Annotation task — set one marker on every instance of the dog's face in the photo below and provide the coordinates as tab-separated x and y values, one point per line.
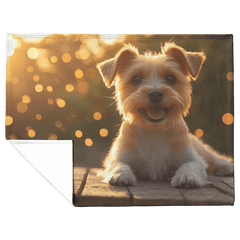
152	90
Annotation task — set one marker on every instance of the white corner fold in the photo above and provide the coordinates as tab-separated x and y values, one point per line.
53	159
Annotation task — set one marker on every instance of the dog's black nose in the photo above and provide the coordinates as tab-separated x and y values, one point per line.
155	95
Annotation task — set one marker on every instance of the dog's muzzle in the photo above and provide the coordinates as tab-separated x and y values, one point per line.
145	112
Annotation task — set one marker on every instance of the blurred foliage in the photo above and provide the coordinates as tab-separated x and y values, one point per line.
55	59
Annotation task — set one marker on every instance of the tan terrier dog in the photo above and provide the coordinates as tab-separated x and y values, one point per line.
153	94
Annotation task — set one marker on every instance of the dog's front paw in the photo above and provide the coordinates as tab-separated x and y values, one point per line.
123	179
121	175
189	176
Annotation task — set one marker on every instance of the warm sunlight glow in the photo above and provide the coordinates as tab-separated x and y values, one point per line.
112	38
10	45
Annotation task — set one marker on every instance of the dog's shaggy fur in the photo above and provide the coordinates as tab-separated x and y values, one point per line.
153	94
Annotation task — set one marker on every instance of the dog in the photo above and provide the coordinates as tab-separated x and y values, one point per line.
153	94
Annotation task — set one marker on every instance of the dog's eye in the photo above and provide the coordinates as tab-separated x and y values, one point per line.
171	79
136	80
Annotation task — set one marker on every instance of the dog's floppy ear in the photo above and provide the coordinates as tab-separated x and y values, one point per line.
190	62
113	67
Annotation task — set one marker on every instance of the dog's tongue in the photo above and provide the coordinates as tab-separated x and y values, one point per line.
156	113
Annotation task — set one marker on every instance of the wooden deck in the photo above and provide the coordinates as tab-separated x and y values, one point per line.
90	191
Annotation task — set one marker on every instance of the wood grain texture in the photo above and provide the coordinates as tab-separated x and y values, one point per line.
96	193
89	190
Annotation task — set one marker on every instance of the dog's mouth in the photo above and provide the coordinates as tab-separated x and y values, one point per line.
155	114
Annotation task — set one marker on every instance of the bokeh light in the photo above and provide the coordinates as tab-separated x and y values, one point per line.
49	88
28	128
199	132
103	132
58	124
97	116
31	133
82	87
88	142
66	57
79	73
62	129
15	80
38	88
8	120
69	87
83	52
50	101
32	53
54	59
36	78
227	118
12	136
22	107
73	113
78	134
38	116
60	102
26	99
52	136
30	69
229	76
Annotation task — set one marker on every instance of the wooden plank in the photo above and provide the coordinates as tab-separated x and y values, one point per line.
78	175
219	193
229	181
96	193
155	193
206	196
220	184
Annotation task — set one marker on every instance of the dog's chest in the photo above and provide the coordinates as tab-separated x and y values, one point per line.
155	150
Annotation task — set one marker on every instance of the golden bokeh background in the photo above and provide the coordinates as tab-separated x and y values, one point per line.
55	92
